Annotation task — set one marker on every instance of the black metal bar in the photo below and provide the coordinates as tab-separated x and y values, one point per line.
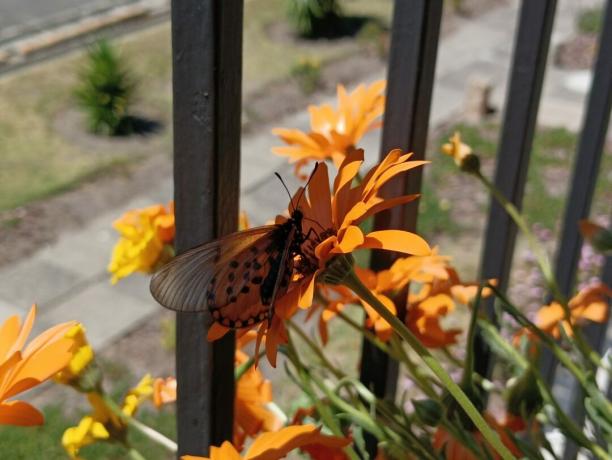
586	167
207	69
522	101
414	45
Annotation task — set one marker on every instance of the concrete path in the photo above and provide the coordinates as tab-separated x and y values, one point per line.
68	279
21	17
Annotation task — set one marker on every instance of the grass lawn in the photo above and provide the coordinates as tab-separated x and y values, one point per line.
38	157
44	442
546	189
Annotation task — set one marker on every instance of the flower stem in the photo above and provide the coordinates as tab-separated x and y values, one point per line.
134	454
353	282
543	262
147	431
315	349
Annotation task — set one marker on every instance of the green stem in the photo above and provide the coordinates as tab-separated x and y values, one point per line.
353	282
534	244
422	381
135	455
369	335
147	431
543	262
315	349
468	372
559	353
322	409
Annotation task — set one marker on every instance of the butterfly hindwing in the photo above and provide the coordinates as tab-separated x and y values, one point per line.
245	290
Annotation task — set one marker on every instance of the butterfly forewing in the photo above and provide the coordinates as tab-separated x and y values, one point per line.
237	278
184	283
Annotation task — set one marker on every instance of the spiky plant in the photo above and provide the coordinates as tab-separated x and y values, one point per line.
105	91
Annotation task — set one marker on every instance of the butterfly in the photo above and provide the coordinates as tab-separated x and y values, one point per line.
237	277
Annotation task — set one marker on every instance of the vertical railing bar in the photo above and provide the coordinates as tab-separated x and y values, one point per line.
586	167
596	335
207	64
522	101
414	46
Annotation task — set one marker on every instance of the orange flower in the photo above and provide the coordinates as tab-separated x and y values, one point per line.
385	285
146	238
436	300
276	445
334	133
253	395
589	304
455	450
24	368
334	219
462	154
164	391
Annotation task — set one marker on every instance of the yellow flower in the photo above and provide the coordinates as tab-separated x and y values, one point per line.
23	367
82	356
103	424
146	238
137	395
334	132
86	432
462	154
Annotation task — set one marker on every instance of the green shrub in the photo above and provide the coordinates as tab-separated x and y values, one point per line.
106	91
374	35
307	73
590	21
313	18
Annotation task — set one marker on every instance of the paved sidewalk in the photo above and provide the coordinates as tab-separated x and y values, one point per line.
68	279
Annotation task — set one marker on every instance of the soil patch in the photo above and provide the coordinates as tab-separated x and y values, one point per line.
576	53
72	126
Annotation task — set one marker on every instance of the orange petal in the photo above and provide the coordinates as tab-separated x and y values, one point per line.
397	240
320	197
20	413
8	335
351	239
276	445
307	291
216	331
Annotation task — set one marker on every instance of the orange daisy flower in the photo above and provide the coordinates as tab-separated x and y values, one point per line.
436	300
455	450
24	367
334	132
276	445
385	285
589	304
333	216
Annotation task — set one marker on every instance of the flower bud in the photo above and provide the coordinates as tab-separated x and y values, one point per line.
524	398
462	154
599	237
454	411
428	411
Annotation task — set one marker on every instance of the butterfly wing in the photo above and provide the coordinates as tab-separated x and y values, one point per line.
184	284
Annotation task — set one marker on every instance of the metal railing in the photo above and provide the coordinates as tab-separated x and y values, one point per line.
207	47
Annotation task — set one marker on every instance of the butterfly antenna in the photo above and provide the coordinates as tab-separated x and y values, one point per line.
288	192
308	182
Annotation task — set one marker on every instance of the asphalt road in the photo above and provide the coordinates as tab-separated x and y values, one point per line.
22	17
